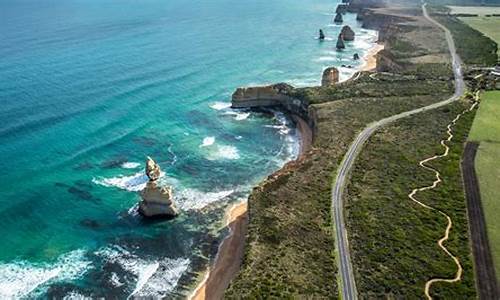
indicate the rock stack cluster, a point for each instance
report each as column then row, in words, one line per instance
column 156, row 200
column 347, row 33
column 330, row 76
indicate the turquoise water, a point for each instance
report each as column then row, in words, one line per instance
column 89, row 88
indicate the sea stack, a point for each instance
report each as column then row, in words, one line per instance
column 355, row 56
column 321, row 35
column 338, row 18
column 341, row 9
column 156, row 200
column 330, row 76
column 340, row 42
column 347, row 33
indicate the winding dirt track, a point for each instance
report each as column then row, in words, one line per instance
column 458, row 274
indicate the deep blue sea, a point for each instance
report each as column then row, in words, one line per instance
column 89, row 88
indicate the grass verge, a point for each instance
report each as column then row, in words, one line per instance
column 486, row 130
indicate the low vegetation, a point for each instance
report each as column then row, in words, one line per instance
column 486, row 130
column 487, row 25
column 290, row 240
column 473, row 47
column 394, row 240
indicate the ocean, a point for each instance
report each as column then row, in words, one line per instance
column 89, row 88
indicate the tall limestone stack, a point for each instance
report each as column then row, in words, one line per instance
column 330, row 76
column 347, row 33
column 341, row 9
column 340, row 42
column 338, row 18
column 156, row 200
column 321, row 35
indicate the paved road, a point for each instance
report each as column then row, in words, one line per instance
column 348, row 288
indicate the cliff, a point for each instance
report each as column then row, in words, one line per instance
column 278, row 96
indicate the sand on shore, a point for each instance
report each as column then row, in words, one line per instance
column 371, row 57
column 229, row 257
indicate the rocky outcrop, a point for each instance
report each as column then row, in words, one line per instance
column 347, row 33
column 156, row 200
column 338, row 18
column 340, row 42
column 387, row 63
column 341, row 9
column 330, row 76
column 152, row 169
column 278, row 96
column 321, row 35
column 355, row 56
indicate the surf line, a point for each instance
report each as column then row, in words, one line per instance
column 458, row 274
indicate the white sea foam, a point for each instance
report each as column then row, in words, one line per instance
column 130, row 165
column 20, row 278
column 192, row 199
column 145, row 274
column 327, row 58
column 151, row 278
column 133, row 183
column 238, row 116
column 220, row 105
column 208, row 141
column 224, row 152
column 76, row 296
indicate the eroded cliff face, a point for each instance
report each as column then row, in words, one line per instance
column 276, row 96
column 268, row 96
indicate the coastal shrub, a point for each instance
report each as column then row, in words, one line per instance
column 402, row 235
column 473, row 47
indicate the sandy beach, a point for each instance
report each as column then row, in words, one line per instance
column 371, row 58
column 228, row 259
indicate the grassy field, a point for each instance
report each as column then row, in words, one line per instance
column 476, row 10
column 486, row 130
column 489, row 26
column 393, row 240
column 486, row 126
column 473, row 47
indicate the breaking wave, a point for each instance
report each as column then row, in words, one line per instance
column 208, row 141
column 20, row 278
column 223, row 152
column 150, row 278
column 220, row 105
column 131, row 165
column 192, row 199
column 238, row 116
column 133, row 183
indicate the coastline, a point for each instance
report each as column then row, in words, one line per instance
column 228, row 258
column 231, row 250
column 371, row 57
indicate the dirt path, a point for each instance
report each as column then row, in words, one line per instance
column 458, row 274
